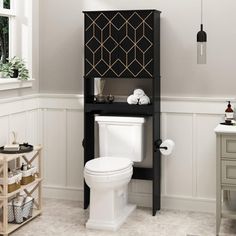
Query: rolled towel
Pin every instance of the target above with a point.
(132, 99)
(139, 93)
(144, 100)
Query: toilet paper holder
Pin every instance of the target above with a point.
(157, 145)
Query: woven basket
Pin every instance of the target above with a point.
(13, 182)
(13, 187)
(28, 176)
(27, 180)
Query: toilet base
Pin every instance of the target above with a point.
(114, 224)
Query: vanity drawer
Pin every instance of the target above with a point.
(228, 144)
(228, 172)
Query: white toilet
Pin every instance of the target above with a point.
(121, 142)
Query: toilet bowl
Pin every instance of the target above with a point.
(120, 143)
(108, 179)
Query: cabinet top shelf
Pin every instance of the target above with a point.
(9, 157)
(139, 10)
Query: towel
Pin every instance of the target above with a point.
(132, 99)
(144, 100)
(138, 93)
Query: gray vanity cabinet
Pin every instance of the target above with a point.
(225, 172)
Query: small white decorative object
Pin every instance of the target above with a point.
(144, 100)
(138, 97)
(99, 84)
(132, 99)
(14, 137)
(138, 93)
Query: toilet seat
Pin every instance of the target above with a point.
(108, 166)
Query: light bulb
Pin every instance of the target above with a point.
(201, 52)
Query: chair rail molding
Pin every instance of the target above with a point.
(56, 121)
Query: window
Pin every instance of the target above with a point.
(4, 32)
(4, 38)
(6, 4)
(16, 37)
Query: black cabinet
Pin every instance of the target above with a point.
(120, 44)
(123, 44)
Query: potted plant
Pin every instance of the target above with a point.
(15, 68)
(6, 71)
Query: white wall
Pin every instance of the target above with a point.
(62, 41)
(56, 121)
(61, 48)
(23, 27)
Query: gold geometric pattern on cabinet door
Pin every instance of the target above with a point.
(119, 44)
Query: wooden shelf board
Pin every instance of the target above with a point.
(13, 227)
(119, 107)
(22, 188)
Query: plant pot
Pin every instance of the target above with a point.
(3, 74)
(15, 73)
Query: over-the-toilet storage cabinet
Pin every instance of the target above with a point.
(123, 44)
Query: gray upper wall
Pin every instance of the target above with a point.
(61, 45)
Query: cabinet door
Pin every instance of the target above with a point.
(119, 44)
(101, 45)
(136, 44)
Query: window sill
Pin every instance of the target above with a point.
(7, 84)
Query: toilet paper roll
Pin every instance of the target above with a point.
(170, 146)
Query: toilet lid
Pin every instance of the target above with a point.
(108, 164)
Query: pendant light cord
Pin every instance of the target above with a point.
(201, 11)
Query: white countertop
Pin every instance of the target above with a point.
(228, 129)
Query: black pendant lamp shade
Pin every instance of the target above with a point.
(201, 35)
(201, 42)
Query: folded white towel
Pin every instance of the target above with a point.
(132, 99)
(144, 100)
(139, 93)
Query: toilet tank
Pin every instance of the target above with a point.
(121, 137)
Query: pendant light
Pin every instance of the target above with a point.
(201, 41)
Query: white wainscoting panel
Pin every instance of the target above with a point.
(75, 157)
(18, 124)
(54, 141)
(4, 127)
(179, 166)
(206, 155)
(56, 121)
(32, 126)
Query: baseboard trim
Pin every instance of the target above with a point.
(140, 199)
(63, 193)
(188, 203)
(175, 202)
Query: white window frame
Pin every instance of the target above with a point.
(14, 83)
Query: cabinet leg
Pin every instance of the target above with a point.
(5, 215)
(218, 211)
(156, 182)
(88, 149)
(86, 195)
